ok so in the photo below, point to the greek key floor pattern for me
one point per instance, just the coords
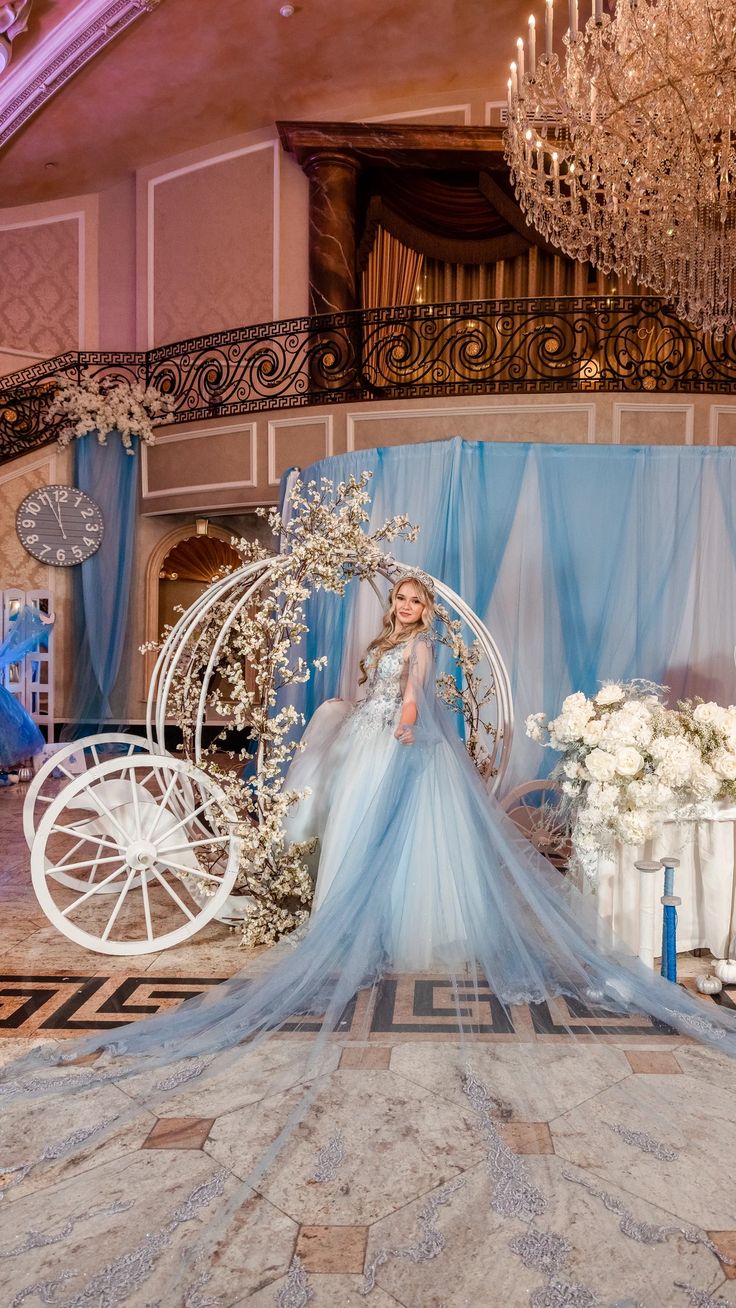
(405, 1007)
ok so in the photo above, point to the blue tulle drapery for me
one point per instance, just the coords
(586, 562)
(102, 583)
(20, 738)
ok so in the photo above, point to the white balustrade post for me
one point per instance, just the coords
(646, 910)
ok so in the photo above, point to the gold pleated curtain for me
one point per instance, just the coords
(392, 276)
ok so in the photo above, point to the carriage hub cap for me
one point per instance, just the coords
(142, 854)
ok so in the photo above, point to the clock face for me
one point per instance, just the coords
(59, 525)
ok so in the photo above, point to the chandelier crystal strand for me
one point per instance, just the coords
(623, 152)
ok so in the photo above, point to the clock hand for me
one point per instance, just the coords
(56, 512)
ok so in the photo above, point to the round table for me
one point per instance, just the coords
(705, 881)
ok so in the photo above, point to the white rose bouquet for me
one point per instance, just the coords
(104, 406)
(628, 762)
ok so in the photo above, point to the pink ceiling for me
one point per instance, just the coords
(195, 71)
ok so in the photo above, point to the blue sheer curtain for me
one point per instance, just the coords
(463, 495)
(102, 585)
(587, 562)
(621, 526)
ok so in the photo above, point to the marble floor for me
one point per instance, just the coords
(396, 1188)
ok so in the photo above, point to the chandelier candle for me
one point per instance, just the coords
(532, 46)
(640, 104)
(549, 22)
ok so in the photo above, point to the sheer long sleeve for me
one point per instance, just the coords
(420, 663)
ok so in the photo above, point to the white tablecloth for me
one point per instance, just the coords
(705, 881)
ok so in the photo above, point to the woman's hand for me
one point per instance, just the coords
(404, 734)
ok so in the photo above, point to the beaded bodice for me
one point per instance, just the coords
(382, 703)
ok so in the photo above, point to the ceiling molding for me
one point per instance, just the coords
(36, 77)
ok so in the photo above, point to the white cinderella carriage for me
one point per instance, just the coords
(141, 850)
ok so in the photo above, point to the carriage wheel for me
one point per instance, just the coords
(534, 807)
(142, 851)
(44, 787)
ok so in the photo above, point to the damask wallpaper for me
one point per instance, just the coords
(39, 306)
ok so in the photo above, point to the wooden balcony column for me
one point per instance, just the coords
(333, 177)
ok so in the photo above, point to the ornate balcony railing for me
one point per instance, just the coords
(594, 344)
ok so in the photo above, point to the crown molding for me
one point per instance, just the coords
(30, 82)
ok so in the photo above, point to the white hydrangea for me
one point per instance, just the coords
(634, 826)
(593, 733)
(629, 725)
(675, 758)
(704, 781)
(603, 795)
(650, 793)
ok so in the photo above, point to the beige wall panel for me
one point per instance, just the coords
(39, 306)
(723, 424)
(213, 239)
(214, 459)
(295, 442)
(293, 244)
(659, 423)
(14, 362)
(545, 422)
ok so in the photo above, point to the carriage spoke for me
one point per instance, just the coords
(136, 803)
(146, 906)
(190, 816)
(196, 844)
(70, 853)
(190, 871)
(118, 905)
(170, 890)
(109, 814)
(74, 867)
(99, 840)
(93, 890)
(95, 755)
(162, 805)
(93, 872)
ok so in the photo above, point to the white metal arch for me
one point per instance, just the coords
(240, 587)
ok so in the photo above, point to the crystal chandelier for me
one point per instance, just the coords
(623, 155)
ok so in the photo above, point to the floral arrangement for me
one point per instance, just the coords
(471, 696)
(105, 405)
(629, 762)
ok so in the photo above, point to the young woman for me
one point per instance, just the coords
(348, 748)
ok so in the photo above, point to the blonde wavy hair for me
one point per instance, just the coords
(387, 636)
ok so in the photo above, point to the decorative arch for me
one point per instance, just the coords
(153, 570)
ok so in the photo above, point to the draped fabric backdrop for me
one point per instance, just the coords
(102, 585)
(585, 562)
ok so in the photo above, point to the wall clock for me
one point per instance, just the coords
(59, 525)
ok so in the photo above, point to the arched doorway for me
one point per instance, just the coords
(180, 567)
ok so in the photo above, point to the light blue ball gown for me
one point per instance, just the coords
(418, 870)
(351, 763)
(20, 738)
